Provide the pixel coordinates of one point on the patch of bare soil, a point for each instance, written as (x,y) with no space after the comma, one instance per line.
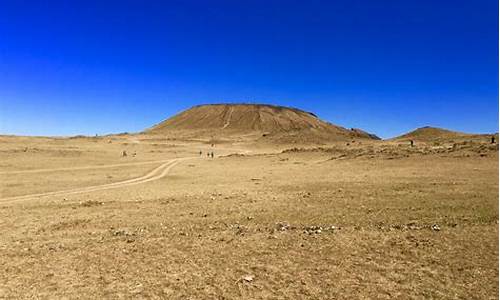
(250,223)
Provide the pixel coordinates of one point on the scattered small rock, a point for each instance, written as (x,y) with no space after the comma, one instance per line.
(435,227)
(319,229)
(240,229)
(282,226)
(305,194)
(90,203)
(313,229)
(122,232)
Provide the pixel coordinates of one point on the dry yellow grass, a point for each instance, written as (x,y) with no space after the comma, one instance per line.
(253,226)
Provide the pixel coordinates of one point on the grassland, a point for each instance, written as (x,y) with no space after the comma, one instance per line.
(377,220)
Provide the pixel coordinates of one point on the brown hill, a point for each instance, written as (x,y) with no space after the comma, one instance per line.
(432,134)
(364,133)
(273,123)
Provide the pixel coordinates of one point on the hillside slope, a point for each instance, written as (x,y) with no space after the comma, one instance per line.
(431,133)
(272,123)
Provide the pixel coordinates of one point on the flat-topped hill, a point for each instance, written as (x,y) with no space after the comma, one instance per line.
(274,122)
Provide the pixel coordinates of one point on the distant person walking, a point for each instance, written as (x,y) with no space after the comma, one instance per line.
(208,154)
(411,143)
(212,155)
(492,139)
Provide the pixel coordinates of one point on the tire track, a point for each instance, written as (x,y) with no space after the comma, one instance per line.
(85,167)
(155,174)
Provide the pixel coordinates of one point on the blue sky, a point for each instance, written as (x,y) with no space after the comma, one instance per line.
(87,67)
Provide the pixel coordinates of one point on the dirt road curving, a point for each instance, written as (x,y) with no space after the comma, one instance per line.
(90,167)
(155,174)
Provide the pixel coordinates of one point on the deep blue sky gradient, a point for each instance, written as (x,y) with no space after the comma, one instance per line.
(86,67)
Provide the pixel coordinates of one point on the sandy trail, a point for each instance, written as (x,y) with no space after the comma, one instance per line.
(86,167)
(155,174)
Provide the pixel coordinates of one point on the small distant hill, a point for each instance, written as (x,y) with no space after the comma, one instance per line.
(432,134)
(269,122)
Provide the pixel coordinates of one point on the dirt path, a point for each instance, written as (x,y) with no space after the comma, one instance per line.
(85,167)
(155,174)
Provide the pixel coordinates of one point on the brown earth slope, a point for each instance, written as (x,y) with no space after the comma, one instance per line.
(269,122)
(432,133)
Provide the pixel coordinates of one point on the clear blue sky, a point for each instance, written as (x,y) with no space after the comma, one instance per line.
(86,67)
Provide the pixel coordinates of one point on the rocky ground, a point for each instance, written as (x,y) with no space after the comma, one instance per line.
(357,220)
